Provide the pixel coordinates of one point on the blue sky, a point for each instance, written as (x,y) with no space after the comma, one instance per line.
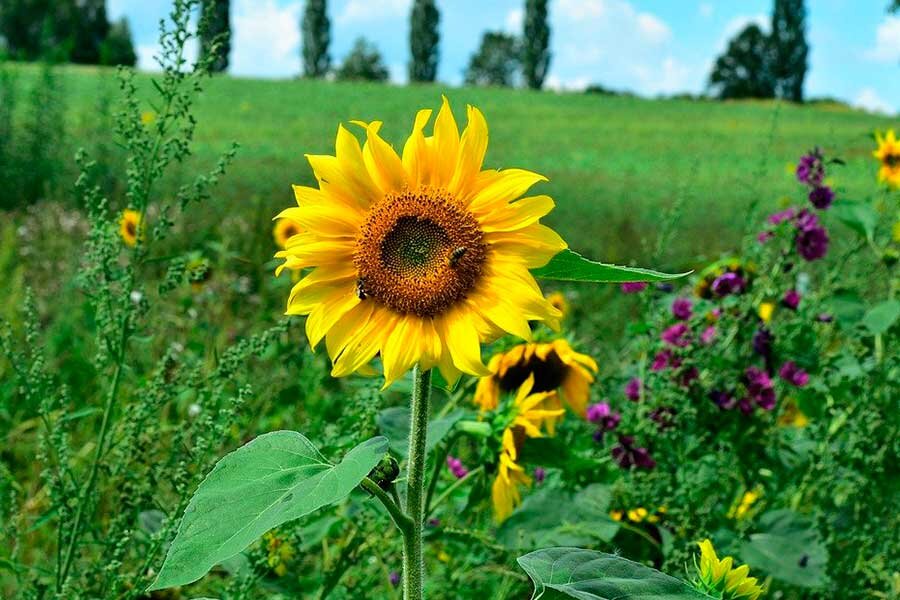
(648,46)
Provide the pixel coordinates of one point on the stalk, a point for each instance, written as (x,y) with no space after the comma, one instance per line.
(413,561)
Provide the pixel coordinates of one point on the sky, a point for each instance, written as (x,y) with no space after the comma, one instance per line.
(646,46)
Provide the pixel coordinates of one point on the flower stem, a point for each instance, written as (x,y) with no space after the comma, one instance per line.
(413,560)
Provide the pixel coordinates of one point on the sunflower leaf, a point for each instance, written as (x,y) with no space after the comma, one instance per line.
(571,266)
(277,477)
(590,575)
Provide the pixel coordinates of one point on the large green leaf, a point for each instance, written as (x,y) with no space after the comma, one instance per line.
(278,477)
(571,266)
(882,316)
(590,575)
(393,423)
(859,217)
(787,548)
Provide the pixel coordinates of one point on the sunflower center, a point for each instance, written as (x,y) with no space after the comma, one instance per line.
(892,160)
(131,227)
(549,373)
(419,252)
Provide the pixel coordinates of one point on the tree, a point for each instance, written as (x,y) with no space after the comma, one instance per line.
(117,48)
(536,43)
(895,6)
(217,33)
(423,40)
(496,61)
(743,71)
(25,25)
(363,63)
(87,26)
(316,38)
(789,48)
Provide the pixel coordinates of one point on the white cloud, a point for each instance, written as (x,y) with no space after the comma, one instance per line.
(575,84)
(868,99)
(705,9)
(652,29)
(514,20)
(887,41)
(582,9)
(356,11)
(266,39)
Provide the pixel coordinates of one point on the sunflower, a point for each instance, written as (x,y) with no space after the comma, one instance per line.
(554,365)
(529,412)
(559,302)
(284,230)
(888,153)
(421,256)
(719,577)
(129,226)
(505,493)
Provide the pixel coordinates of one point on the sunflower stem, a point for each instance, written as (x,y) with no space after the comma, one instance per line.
(413,560)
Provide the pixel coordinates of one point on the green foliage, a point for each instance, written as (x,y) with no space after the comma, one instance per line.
(571,266)
(745,69)
(590,575)
(788,548)
(118,49)
(789,48)
(215,39)
(316,29)
(276,478)
(423,40)
(496,61)
(535,43)
(363,63)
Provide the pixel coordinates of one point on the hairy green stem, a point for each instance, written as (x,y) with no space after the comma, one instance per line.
(413,560)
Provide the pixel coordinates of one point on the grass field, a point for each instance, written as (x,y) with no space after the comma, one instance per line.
(614,163)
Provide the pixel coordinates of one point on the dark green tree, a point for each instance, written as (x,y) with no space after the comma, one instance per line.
(789,48)
(316,38)
(496,61)
(363,63)
(535,43)
(423,40)
(86,26)
(24,25)
(894,6)
(216,35)
(118,48)
(744,70)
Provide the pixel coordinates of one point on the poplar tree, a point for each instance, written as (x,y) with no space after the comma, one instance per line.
(423,40)
(316,37)
(217,31)
(789,48)
(535,43)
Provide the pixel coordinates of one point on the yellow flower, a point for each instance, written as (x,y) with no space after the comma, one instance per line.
(505,490)
(554,365)
(529,415)
(559,302)
(748,499)
(616,515)
(765,311)
(284,230)
(888,154)
(792,416)
(129,226)
(280,553)
(418,257)
(148,117)
(718,576)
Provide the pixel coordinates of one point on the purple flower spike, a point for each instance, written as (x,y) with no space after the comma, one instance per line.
(759,389)
(764,236)
(456,467)
(793,374)
(782,216)
(791,299)
(821,197)
(812,242)
(811,168)
(539,475)
(722,399)
(708,335)
(728,283)
(676,335)
(603,416)
(633,287)
(682,309)
(628,456)
(633,389)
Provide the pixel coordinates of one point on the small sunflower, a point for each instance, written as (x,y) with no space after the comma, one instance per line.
(554,365)
(888,154)
(129,226)
(505,493)
(418,257)
(529,413)
(559,302)
(284,230)
(719,577)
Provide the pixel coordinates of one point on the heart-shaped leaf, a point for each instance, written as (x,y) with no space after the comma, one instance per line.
(787,548)
(571,266)
(277,477)
(590,575)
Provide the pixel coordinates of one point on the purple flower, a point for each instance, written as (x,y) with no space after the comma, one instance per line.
(664,417)
(791,299)
(762,341)
(603,416)
(728,283)
(821,197)
(633,287)
(688,376)
(782,216)
(675,335)
(539,475)
(764,236)
(682,309)
(722,399)
(456,467)
(759,390)
(708,335)
(627,455)
(664,360)
(793,374)
(633,389)
(810,168)
(812,242)
(394,578)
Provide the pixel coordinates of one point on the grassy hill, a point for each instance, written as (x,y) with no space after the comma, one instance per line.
(615,164)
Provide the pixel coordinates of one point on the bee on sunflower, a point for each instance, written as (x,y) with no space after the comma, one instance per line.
(888,154)
(130,227)
(720,578)
(421,256)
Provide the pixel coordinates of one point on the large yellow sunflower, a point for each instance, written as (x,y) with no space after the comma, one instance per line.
(554,365)
(421,256)
(888,153)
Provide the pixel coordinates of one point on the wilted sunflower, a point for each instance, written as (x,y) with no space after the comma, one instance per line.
(418,257)
(284,230)
(530,411)
(505,489)
(554,365)
(129,226)
(719,577)
(888,153)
